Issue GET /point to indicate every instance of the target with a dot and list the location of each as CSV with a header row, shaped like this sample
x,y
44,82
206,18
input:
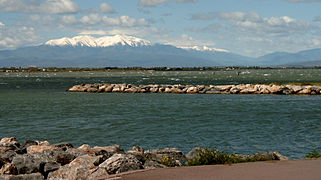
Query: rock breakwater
x,y
199,89
40,160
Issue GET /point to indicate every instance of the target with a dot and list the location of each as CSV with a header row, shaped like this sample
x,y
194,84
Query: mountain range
x,y
129,51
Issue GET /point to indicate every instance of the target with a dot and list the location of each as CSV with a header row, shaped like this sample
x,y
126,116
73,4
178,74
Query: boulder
x,y
306,90
63,146
234,90
38,149
109,88
274,89
77,88
8,169
294,88
153,165
79,169
34,176
223,87
92,90
177,91
111,149
9,141
39,162
192,90
25,145
119,163
27,164
193,153
174,155
7,153
280,157
131,90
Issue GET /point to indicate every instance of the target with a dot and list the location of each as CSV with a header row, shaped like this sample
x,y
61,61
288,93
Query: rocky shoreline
x,y
199,89
38,160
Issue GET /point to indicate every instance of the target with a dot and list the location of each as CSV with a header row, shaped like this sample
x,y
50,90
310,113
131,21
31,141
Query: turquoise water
x,y
36,106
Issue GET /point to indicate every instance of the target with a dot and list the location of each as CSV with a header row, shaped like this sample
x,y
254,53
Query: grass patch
x,y
314,154
207,156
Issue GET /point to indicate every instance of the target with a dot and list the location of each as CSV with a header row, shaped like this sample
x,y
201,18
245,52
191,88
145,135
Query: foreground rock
x,y
199,89
38,160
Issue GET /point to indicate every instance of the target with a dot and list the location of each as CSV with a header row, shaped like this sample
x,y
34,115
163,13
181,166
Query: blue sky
x,y
247,27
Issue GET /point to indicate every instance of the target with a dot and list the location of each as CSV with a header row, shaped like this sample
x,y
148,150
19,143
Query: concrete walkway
x,y
273,170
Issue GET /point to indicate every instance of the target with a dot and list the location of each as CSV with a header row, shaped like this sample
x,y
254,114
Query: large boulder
x,y
79,169
8,169
119,163
39,149
33,163
27,164
7,154
34,176
166,156
8,141
77,88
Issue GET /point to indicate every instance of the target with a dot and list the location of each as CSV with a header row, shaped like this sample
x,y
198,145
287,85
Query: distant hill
x,y
305,64
129,51
283,58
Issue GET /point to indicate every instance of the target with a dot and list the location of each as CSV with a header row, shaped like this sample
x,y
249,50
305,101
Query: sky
x,y
247,27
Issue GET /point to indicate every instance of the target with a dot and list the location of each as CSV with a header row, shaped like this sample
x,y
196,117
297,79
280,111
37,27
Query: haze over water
x,y
36,106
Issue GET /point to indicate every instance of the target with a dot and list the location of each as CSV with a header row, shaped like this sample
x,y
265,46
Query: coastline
x,y
41,160
199,89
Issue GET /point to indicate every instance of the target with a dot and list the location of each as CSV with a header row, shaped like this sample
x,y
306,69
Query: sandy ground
x,y
309,169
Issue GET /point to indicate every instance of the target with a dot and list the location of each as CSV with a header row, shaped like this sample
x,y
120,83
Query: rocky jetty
x,y
199,89
38,160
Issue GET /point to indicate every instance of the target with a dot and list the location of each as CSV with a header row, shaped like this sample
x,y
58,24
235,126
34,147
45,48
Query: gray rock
x,y
280,157
38,162
119,163
64,146
193,153
26,164
25,145
153,165
49,167
173,154
8,169
79,169
34,176
7,154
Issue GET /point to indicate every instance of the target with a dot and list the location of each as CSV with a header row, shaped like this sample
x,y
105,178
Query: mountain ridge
x,y
129,51
105,41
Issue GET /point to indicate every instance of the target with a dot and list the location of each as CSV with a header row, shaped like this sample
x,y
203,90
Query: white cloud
x,y
1,24
69,19
39,6
93,32
153,3
106,8
122,21
252,23
11,37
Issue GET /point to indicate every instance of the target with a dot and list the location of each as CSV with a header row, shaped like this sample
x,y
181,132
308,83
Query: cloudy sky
x,y
247,27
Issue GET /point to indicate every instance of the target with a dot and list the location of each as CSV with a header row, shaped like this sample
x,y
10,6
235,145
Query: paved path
x,y
276,170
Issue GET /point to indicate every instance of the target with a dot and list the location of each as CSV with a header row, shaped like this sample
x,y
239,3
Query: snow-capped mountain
x,y
105,41
203,48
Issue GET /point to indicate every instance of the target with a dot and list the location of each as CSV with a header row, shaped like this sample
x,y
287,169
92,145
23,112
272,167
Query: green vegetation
x,y
207,156
314,154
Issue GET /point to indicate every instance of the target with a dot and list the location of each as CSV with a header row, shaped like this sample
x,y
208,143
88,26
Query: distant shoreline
x,y
115,69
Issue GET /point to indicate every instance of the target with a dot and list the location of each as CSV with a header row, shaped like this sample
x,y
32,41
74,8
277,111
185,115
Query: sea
x,y
36,106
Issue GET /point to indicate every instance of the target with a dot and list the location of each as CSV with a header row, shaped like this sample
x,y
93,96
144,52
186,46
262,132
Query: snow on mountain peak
x,y
104,41
203,48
